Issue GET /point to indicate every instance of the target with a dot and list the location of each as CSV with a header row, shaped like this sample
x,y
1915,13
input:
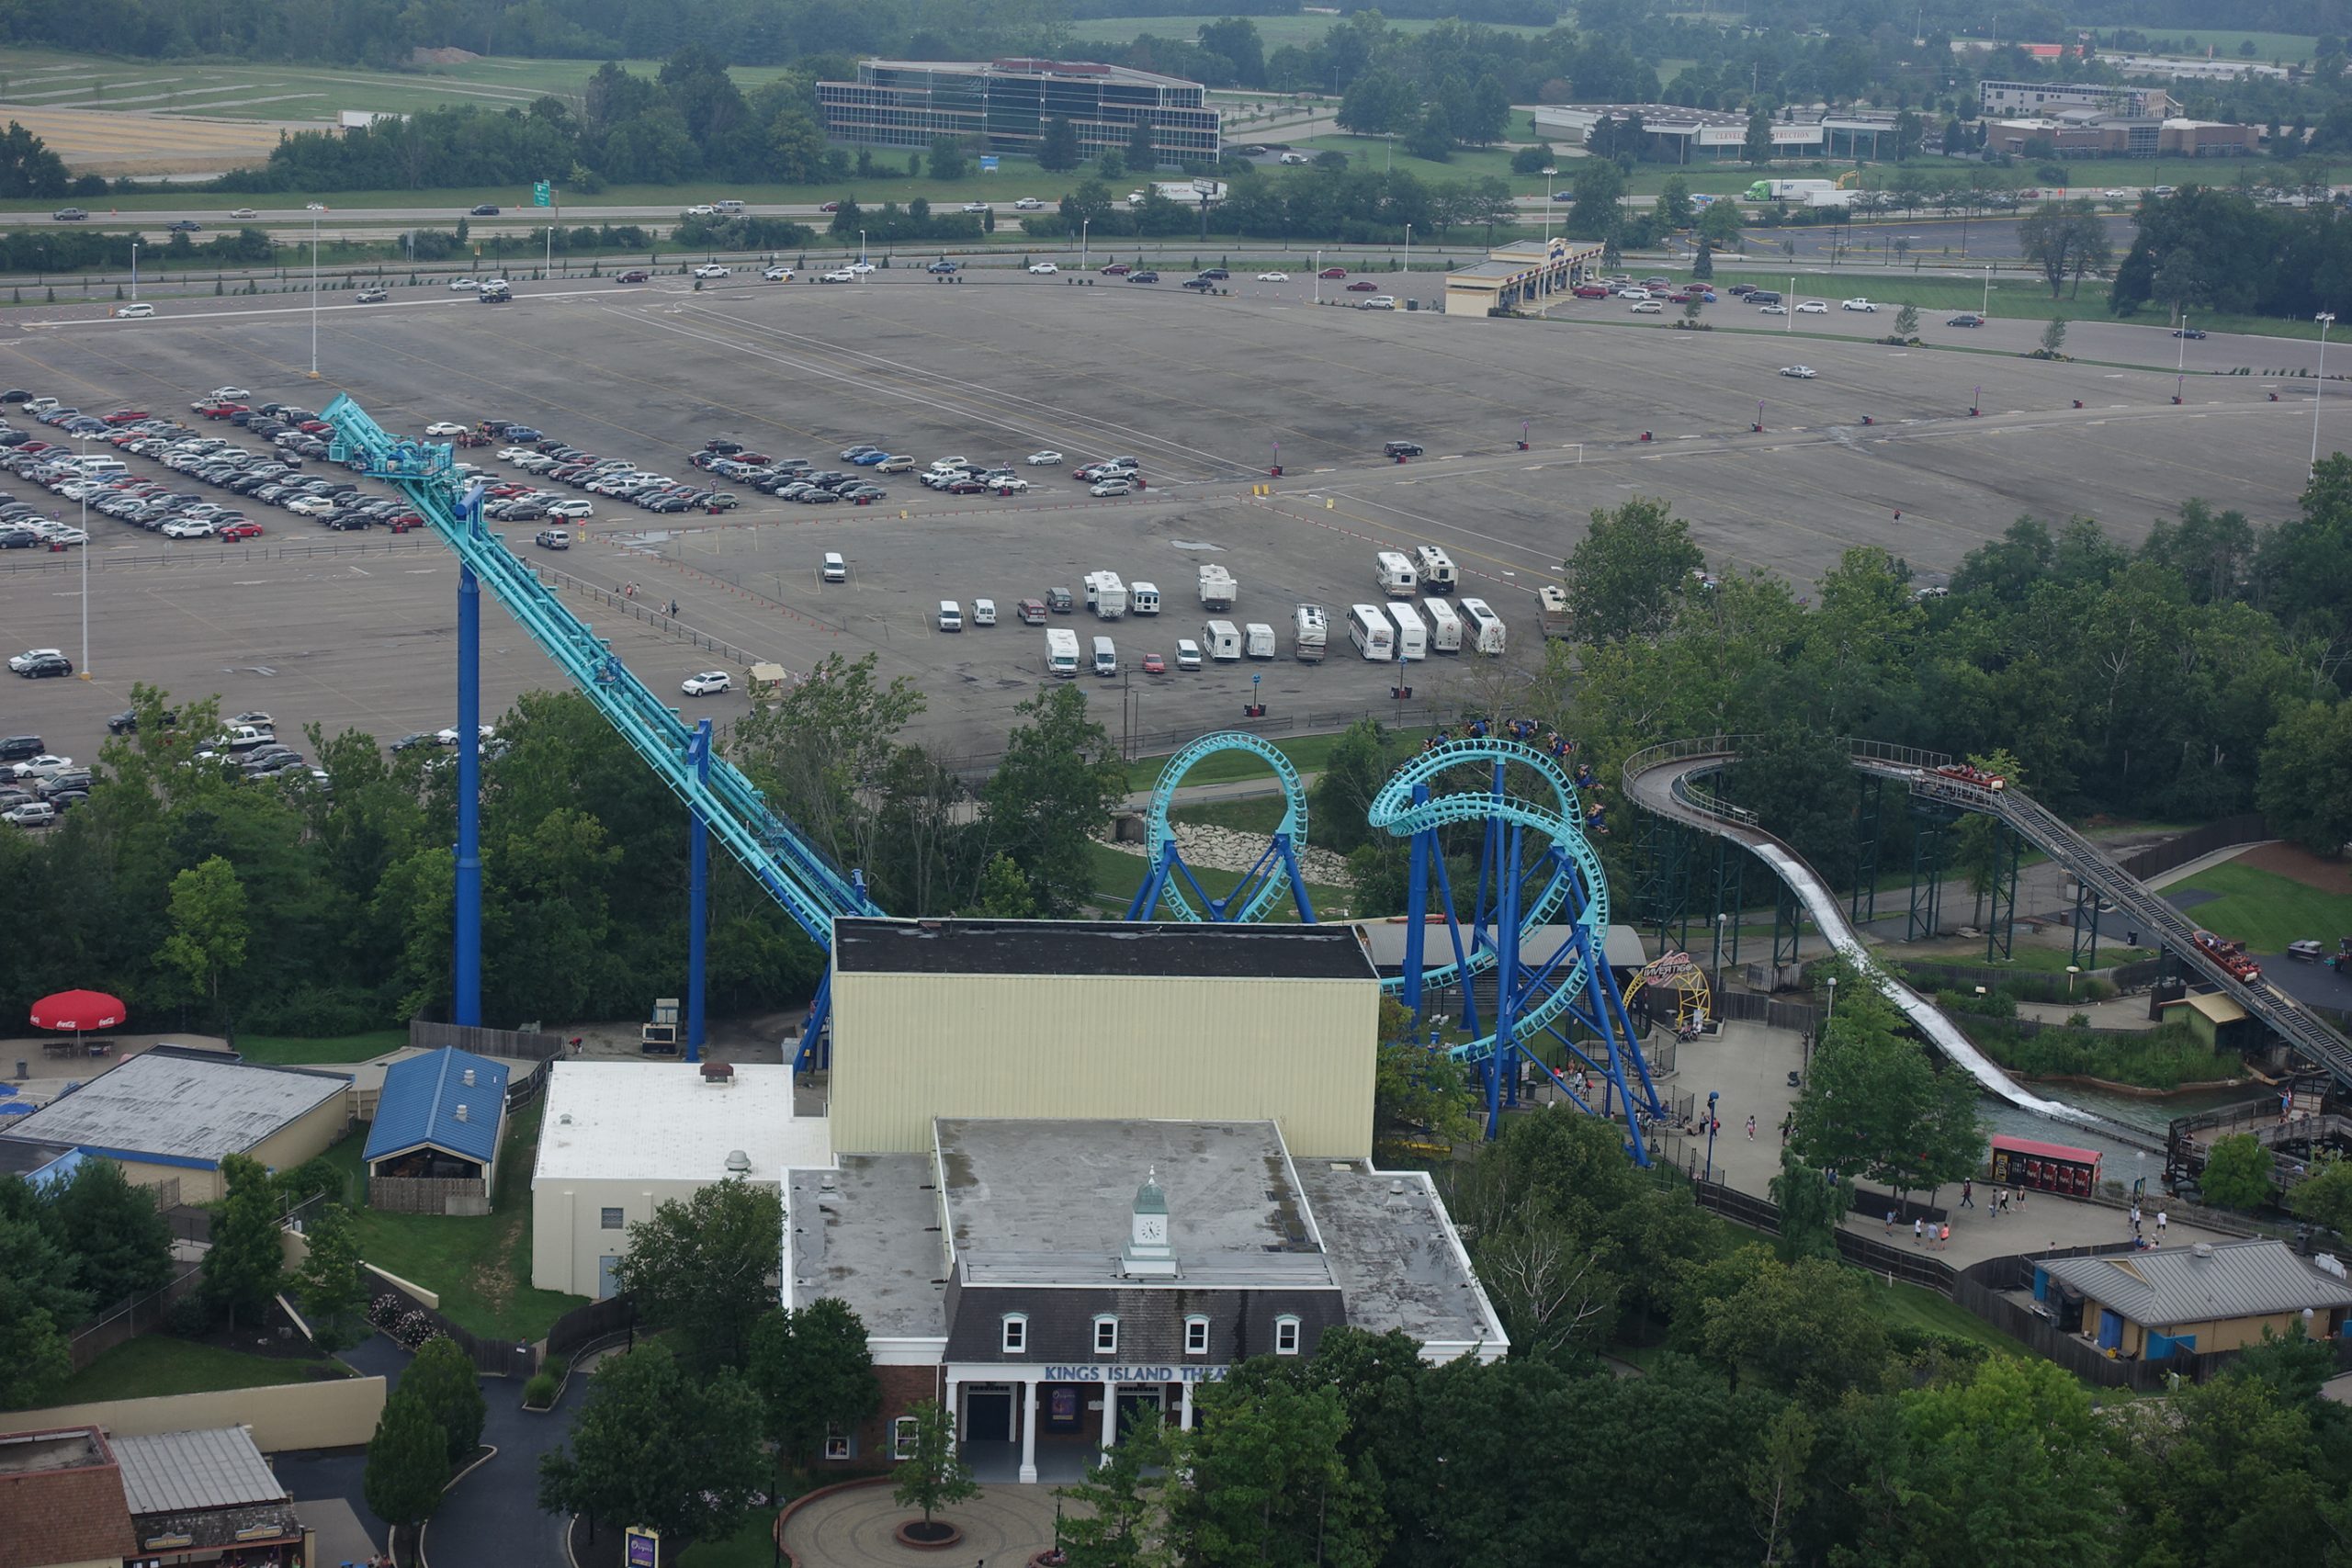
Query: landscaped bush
x,y
538,1392
2155,1058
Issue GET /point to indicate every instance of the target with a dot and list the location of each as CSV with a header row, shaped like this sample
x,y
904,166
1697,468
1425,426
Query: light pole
x,y
1318,278
1792,304
134,272
1986,308
2180,366
1081,243
1711,1095
2325,319
1832,1013
1408,256
1550,195
314,296
1714,997
83,669
861,246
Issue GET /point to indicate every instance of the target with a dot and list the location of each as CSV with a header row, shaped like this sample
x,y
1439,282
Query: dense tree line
x,y
2207,249
288,908
68,1249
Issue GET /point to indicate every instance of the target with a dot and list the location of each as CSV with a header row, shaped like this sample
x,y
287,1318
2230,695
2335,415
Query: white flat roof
x,y
660,1121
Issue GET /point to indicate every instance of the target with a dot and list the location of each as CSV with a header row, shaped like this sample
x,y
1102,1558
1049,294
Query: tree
x,y
702,1265
1534,160
1907,323
1702,262
1270,1481
1776,1479
1486,113
2054,338
1051,797
122,1244
1057,150
334,1293
1432,135
654,1447
1124,1500
1420,1092
35,1359
2238,1172
1806,1329
1874,1107
2324,1197
1811,1205
1718,225
1757,146
209,927
2065,238
948,161
812,1370
1142,156
408,1464
1600,186
1674,208
934,1474
1626,574
2306,779
244,1263
443,1378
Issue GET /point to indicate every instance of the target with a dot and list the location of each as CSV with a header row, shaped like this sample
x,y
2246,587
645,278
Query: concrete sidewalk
x,y
1003,1528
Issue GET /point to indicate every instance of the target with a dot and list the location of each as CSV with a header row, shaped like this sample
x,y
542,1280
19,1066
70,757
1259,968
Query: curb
x,y
784,1514
490,1451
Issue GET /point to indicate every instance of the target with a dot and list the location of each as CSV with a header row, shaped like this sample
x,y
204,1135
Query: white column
x,y
1029,1431
1110,1417
954,1409
1184,1409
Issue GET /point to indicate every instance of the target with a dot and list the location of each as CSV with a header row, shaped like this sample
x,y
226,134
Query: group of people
x,y
1551,742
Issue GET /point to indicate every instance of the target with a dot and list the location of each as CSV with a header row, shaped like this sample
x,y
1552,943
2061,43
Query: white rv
x,y
1061,652
1437,569
1309,628
1221,641
1445,627
1412,632
1396,575
1486,629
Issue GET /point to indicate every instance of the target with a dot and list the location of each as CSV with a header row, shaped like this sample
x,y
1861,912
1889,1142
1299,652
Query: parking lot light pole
x,y
134,272
1408,256
1987,309
2180,363
2325,319
1550,195
314,296
1081,243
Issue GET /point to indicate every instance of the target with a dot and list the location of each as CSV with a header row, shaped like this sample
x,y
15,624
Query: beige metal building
x,y
169,1116
1075,1021
619,1139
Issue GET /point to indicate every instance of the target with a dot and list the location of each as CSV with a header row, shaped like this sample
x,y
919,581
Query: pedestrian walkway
x,y
854,1528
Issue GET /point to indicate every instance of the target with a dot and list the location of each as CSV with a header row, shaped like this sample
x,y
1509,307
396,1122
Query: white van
x,y
835,570
1222,641
1437,569
1188,654
1412,632
1106,657
1258,641
1143,598
1396,575
1309,629
1486,627
1061,652
730,206
1445,627
984,611
1371,631
102,468
951,615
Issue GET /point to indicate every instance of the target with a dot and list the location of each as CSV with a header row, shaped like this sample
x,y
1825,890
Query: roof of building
x,y
661,1121
184,1106
1494,271
60,1499
867,1234
1395,1252
172,1472
1385,939
2216,1006
1655,117
2201,1284
1031,66
1163,948
1048,1202
429,1099
22,1156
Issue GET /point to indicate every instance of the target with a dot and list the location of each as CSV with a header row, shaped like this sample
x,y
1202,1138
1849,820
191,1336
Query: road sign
x,y
988,163
543,194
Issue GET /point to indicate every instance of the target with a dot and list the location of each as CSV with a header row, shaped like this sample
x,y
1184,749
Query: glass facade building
x,y
1007,103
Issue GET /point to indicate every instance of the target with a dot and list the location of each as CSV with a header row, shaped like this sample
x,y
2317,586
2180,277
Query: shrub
x,y
538,1392
192,1317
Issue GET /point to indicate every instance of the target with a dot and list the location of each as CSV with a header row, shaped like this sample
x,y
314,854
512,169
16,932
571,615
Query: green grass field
x,y
750,1547
1925,1312
155,1364
1256,816
481,1266
280,1051
46,79
2266,910
1308,754
1118,877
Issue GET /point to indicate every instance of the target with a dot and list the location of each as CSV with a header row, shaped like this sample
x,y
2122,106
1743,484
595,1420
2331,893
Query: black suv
x,y
1145,276
486,209
1400,449
47,664
1218,272
16,747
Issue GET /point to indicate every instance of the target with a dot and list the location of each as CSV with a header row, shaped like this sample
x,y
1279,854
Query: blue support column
x,y
1423,850
697,895
465,1003
1506,977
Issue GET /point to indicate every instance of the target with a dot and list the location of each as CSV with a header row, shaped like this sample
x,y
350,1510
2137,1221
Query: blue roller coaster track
x,y
1171,882
812,888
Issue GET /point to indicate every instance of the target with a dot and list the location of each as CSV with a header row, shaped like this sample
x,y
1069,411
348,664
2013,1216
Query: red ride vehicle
x,y
1961,773
2230,955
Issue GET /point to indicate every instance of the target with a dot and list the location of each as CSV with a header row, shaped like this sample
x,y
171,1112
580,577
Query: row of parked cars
x,y
37,784
549,458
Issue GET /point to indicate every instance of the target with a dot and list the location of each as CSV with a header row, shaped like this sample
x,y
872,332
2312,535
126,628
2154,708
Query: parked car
x,y
634,274
708,683
1798,372
1043,269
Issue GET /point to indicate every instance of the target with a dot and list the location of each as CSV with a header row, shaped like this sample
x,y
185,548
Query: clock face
x,y
1151,1228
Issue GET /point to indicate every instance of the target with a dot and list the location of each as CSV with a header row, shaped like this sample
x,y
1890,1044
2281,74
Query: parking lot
x,y
359,629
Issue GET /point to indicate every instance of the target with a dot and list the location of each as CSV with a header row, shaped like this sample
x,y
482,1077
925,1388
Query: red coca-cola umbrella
x,y
78,1010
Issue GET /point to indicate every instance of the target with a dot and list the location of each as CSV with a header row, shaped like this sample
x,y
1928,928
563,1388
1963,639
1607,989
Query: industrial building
x,y
440,1115
2212,1296
1050,1281
169,1117
1004,105
1082,1021
2088,133
619,1139
1997,99
1674,134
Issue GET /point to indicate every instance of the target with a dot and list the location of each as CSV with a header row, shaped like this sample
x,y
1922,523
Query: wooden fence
x,y
583,1328
2248,829
492,1358
428,1194
426,1036
1748,1007
133,1317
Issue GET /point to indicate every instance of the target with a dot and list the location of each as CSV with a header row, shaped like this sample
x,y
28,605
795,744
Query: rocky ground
x,y
1223,848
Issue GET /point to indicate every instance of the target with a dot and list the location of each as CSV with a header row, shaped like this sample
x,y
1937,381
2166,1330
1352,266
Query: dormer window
x,y
1196,1335
1286,1335
1106,1335
1016,1334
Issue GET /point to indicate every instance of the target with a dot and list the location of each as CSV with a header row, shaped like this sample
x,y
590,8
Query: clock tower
x,y
1148,1255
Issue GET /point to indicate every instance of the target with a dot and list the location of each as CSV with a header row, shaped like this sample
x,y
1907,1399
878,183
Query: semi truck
x,y
1787,190
1217,587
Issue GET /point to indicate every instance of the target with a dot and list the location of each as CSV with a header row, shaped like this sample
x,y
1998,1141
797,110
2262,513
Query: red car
x,y
404,521
1362,285
236,532
1680,296
1333,272
1591,291
1154,665
831,207
127,416
635,275
1116,269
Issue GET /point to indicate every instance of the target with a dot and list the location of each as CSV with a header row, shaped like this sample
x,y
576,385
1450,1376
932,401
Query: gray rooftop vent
x,y
738,1161
461,1110
2201,1251
469,1079
564,1119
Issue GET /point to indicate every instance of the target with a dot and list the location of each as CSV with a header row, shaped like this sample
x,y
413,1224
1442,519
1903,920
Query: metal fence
x,y
1749,1007
492,1358
133,1317
607,599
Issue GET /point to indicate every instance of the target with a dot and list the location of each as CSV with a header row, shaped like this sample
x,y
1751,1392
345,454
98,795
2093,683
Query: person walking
x,y
1751,1128
1889,1221
2135,1219
2161,1218
1967,1193
1918,1231
1945,1241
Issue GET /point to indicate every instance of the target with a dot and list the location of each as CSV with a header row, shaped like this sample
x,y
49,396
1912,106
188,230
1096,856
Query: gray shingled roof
x,y
2172,1285
177,1471
179,1106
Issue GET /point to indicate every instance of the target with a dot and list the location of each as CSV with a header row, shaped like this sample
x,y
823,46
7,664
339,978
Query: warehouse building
x,y
1083,1020
1673,134
2212,1296
619,1139
1995,99
169,1117
1050,1281
1004,105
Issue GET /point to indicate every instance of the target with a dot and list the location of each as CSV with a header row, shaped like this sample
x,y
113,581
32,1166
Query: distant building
x,y
1997,98
38,1162
439,1118
1673,134
2212,1296
60,1500
1005,104
169,1117
2083,133
360,119
207,1497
